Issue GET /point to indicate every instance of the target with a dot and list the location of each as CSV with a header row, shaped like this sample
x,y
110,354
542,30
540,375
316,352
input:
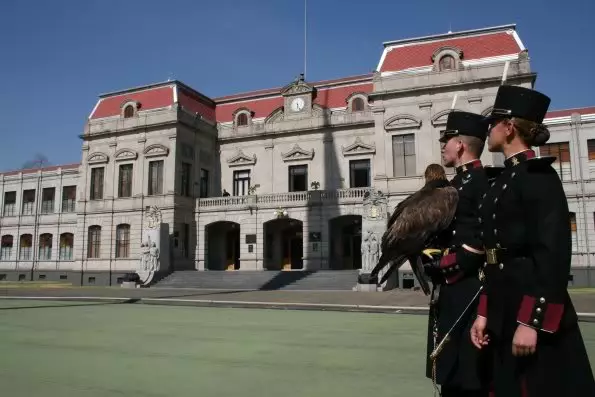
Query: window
x,y
573,231
25,247
97,183
204,183
123,241
404,155
561,151
45,247
66,246
125,181
359,173
94,241
155,177
591,149
10,200
241,182
6,247
28,202
128,111
357,104
185,180
242,119
47,200
68,198
447,62
298,178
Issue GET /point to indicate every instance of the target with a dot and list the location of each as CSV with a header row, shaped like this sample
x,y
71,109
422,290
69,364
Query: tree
x,y
38,161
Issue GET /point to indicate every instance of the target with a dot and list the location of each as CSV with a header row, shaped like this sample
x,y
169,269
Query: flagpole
x,y
305,34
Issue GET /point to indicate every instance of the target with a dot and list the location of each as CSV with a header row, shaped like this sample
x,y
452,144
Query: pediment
x,y
275,116
156,150
241,159
97,158
358,147
441,117
297,153
402,122
299,86
125,154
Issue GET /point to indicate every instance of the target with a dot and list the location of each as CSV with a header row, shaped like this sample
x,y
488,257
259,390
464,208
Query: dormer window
x,y
447,62
357,104
242,120
128,111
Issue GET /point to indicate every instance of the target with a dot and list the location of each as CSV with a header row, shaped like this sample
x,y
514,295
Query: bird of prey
x,y
414,225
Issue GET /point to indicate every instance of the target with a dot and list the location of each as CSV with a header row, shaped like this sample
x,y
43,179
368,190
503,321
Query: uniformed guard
x,y
525,315
457,367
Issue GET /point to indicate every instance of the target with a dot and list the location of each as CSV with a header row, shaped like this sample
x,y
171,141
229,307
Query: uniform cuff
x,y
539,314
450,268
482,308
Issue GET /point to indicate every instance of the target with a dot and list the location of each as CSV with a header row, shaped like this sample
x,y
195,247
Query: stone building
x,y
272,179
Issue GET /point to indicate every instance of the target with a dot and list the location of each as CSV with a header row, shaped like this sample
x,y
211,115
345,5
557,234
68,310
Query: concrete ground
x,y
106,349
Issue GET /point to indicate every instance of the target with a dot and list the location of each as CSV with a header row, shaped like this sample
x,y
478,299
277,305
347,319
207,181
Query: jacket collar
x,y
468,165
519,158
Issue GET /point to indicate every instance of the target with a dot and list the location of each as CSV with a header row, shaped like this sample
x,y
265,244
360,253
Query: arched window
x,y
357,104
242,119
447,62
6,249
128,111
45,247
66,246
123,241
25,247
94,241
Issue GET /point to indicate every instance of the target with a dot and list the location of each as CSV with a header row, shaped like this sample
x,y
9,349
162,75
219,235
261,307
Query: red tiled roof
x,y
568,112
153,98
196,104
44,169
473,47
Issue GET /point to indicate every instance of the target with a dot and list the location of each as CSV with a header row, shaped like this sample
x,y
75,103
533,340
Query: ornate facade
x,y
272,179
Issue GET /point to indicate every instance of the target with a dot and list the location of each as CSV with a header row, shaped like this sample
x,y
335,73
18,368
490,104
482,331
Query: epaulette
x,y
493,172
540,163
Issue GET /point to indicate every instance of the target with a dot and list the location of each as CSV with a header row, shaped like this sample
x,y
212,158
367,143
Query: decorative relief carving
x,y
439,119
358,147
125,154
156,150
97,158
275,116
298,86
402,122
241,159
297,153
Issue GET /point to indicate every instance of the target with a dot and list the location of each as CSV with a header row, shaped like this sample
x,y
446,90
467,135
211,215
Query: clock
x,y
297,104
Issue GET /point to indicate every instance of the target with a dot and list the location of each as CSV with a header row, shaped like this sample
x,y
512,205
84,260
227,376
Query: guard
x,y
455,277
525,316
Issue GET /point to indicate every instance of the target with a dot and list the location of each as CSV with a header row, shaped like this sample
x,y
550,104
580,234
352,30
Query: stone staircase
x,y
338,280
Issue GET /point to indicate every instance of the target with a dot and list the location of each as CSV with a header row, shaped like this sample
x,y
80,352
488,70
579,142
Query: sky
x,y
57,56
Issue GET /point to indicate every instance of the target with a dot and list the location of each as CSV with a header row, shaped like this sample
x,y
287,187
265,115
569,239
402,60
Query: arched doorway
x,y
222,240
345,242
283,244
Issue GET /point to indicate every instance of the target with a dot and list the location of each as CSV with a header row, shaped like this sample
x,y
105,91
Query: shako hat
x,y
464,123
515,101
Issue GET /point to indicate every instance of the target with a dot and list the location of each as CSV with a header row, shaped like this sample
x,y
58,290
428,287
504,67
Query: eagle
x,y
416,224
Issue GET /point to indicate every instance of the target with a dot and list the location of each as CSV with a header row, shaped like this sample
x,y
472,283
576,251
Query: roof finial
x,y
449,27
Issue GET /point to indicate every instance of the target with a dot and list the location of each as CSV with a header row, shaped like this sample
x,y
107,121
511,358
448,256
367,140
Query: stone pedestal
x,y
154,253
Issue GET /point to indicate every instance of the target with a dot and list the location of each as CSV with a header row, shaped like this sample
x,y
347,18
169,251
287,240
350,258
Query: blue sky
x,y
57,56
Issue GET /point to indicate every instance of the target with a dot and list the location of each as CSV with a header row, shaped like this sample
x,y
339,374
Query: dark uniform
x,y
527,237
458,367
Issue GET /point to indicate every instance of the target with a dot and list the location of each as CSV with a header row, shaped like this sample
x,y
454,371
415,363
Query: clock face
x,y
297,104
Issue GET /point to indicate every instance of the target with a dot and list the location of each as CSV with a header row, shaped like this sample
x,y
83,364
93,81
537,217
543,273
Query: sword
x,y
446,338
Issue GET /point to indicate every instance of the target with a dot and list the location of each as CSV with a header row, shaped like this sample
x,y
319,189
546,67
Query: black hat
x,y
464,123
515,101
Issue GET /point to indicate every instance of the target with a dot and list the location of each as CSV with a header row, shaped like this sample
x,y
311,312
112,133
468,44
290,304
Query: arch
x,y
439,119
402,121
242,120
276,115
283,244
26,247
66,246
94,241
97,158
129,109
125,154
345,238
6,247
123,240
155,150
447,58
45,247
222,243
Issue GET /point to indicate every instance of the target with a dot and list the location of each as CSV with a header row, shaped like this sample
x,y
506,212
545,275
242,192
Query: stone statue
x,y
144,257
154,258
366,251
153,218
374,251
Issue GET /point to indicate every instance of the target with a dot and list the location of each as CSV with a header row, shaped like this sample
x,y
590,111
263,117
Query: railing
x,y
313,197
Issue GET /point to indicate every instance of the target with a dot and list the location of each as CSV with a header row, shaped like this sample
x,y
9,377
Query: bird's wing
x,y
423,214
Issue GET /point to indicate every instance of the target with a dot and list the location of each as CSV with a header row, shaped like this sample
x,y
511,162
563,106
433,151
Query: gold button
x,y
479,219
541,300
535,321
501,266
485,264
538,310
